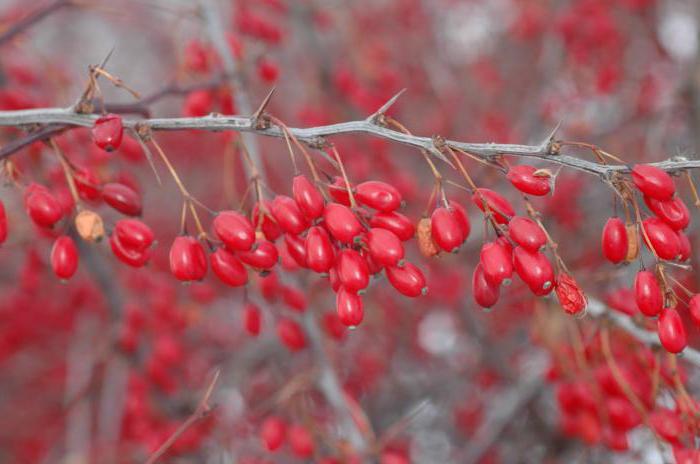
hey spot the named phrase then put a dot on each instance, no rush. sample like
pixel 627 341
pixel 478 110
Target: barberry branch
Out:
pixel 316 137
pixel 33 18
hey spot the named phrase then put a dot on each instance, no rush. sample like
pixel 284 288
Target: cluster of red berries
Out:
pixel 663 234
pixel 328 238
pixel 601 400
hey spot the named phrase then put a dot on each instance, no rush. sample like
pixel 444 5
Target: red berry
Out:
pixel 272 432
pixel 3 223
pixel 269 227
pixel 88 184
pixel 263 256
pixel 524 179
pixel 526 233
pixel 622 414
pixel 341 222
pixel 407 279
pixel 320 253
pixel 228 268
pixel 296 247
pixel 64 257
pixel 42 207
pixel 132 233
pixel 252 319
pixel 267 70
pixel 197 103
pixel 395 222
pixel 614 240
pixel 107 132
pixel 484 293
pixel 647 294
pixel 349 307
pixel 671 331
pixel 446 230
pixel 122 198
pixel 288 215
pixel 188 260
pixel 352 270
pixel 673 212
pixel 332 326
pixel 653 182
pixel 291 335
pixel 301 441
pixel 666 424
pixel 497 263
pixel 133 256
pixel 535 270
pixel 694 309
pixel 294 298
pixel 460 214
pixel 662 239
pixel 339 192
pixel 235 230
pixel 384 246
pixel 378 195
pixel 500 207
pixel 307 197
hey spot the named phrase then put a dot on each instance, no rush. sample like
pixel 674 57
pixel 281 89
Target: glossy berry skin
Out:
pixel 301 441
pixel 42 207
pixel 352 269
pixel 614 240
pixel 526 233
pixel 320 254
pixel 384 246
pixel 269 227
pixel 462 218
pixel 252 320
pixel 88 184
pixel 484 293
pixel 378 195
pixel 501 208
pixel 524 179
pixel 264 255
pixel 188 260
pixel 307 197
pixel 288 215
pixel 133 233
pixel 132 256
pixel 684 246
pixel 291 335
pixel 3 223
pixel 535 270
pixel 653 182
pixel 673 212
pixel 235 230
pixel 341 222
pixel 296 247
pixel 107 132
pixel 407 279
pixel 445 229
pixel 349 307
pixel 395 222
pixel 647 294
pixel 496 263
pixel 228 268
pixel 273 432
pixel 662 238
pixel 122 198
pixel 338 190
pixel 694 309
pixel 671 331
pixel 64 257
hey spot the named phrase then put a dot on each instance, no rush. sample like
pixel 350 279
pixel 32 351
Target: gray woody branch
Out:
pixel 316 136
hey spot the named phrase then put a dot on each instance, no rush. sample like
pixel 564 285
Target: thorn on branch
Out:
pixel 375 118
pixel 257 123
